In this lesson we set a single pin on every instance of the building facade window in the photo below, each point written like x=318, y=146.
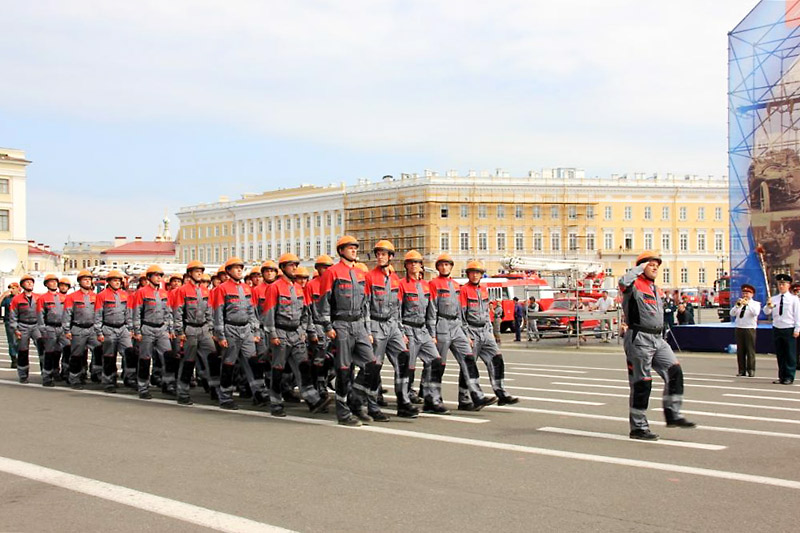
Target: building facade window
x=483, y=241
x=717, y=214
x=444, y=241
x=555, y=242
x=701, y=242
x=444, y=211
x=4, y=186
x=648, y=241
x=648, y=212
x=683, y=242
x=684, y=275
x=481, y=211
x=537, y=212
x=572, y=242
x=537, y=242
x=518, y=211
x=682, y=213
x=608, y=240
x=464, y=211
x=463, y=241
x=701, y=213
x=501, y=241
x=666, y=242
x=628, y=241
x=572, y=212
x=519, y=241
x=554, y=212
x=590, y=244
x=720, y=273
x=501, y=211
x=607, y=212
x=667, y=279
x=719, y=242
x=627, y=213
x=4, y=220
x=701, y=276
x=589, y=212
x=665, y=213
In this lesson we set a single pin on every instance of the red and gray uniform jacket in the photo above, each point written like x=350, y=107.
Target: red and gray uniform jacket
x=447, y=298
x=191, y=307
x=151, y=308
x=50, y=308
x=384, y=295
x=313, y=294
x=285, y=307
x=111, y=309
x=79, y=310
x=232, y=304
x=416, y=305
x=23, y=311
x=641, y=302
x=343, y=296
x=475, y=305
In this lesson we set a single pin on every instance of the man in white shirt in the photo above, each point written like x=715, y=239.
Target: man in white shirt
x=785, y=310
x=744, y=313
x=605, y=304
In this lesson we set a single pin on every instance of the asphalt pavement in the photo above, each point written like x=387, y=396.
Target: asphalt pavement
x=560, y=460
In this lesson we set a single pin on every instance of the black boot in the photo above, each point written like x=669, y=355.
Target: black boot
x=13, y=361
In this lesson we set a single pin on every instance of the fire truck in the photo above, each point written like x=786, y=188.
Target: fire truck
x=722, y=287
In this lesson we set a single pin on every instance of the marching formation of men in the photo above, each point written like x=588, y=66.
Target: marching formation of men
x=270, y=331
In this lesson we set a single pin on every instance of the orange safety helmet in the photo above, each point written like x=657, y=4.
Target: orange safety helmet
x=384, y=245
x=115, y=274
x=254, y=272
x=66, y=281
x=206, y=277
x=221, y=270
x=346, y=240
x=361, y=266
x=233, y=261
x=324, y=260
x=152, y=269
x=269, y=264
x=288, y=258
x=195, y=264
x=301, y=272
x=176, y=276
x=50, y=277
x=413, y=255
x=648, y=255
x=84, y=274
x=475, y=265
x=444, y=258
x=25, y=278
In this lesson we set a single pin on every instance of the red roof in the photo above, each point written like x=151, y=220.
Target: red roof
x=143, y=248
x=35, y=250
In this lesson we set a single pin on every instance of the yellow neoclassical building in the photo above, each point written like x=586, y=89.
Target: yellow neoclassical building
x=13, y=231
x=552, y=214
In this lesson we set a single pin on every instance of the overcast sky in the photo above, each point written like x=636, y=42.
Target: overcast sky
x=128, y=109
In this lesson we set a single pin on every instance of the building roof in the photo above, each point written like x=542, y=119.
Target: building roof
x=35, y=250
x=143, y=248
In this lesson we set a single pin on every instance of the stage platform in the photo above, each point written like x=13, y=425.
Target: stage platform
x=715, y=337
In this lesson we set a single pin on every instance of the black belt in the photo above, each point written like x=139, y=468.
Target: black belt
x=153, y=324
x=113, y=325
x=287, y=328
x=653, y=331
x=196, y=325
x=236, y=323
x=84, y=326
x=380, y=318
x=28, y=323
x=348, y=318
x=476, y=324
x=414, y=324
x=56, y=325
x=449, y=317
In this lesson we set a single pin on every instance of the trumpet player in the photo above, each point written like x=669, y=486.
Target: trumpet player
x=744, y=313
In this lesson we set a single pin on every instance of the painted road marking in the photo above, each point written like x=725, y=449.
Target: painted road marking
x=633, y=463
x=184, y=512
x=762, y=397
x=612, y=436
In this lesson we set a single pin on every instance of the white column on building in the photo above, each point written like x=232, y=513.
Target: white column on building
x=292, y=233
x=313, y=234
x=302, y=252
x=263, y=239
x=237, y=237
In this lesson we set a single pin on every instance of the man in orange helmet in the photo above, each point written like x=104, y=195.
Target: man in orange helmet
x=286, y=322
x=319, y=343
x=646, y=349
x=112, y=322
x=64, y=285
x=262, y=371
x=236, y=327
x=475, y=310
x=6, y=297
x=418, y=315
x=78, y=323
x=152, y=327
x=50, y=307
x=192, y=321
x=343, y=312
x=451, y=336
x=23, y=322
x=389, y=341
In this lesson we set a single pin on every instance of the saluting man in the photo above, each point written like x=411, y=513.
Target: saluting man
x=785, y=310
x=646, y=349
